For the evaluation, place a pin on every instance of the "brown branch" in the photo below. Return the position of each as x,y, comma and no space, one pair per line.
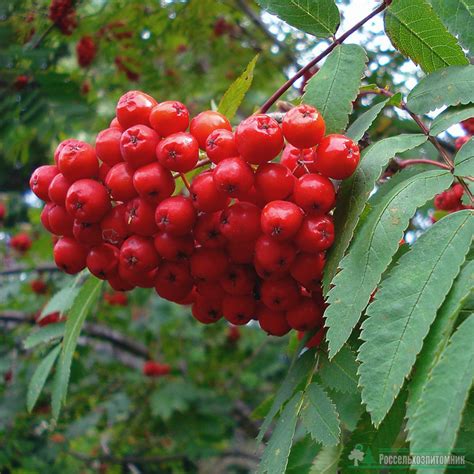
420,161
47,267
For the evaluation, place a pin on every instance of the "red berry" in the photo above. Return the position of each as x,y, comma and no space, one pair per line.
119,284
273,182
280,295
303,126
87,200
78,160
281,219
138,145
3,211
60,221
316,234
153,182
114,226
207,230
107,145
315,194
209,264
241,252
171,247
238,310
259,139
241,222
173,281
102,261
206,196
86,233
60,147
140,217
104,169
134,108
116,124
175,215
239,280
86,51
299,162
155,369
307,269
69,255
206,289
41,179
233,176
44,216
39,287
220,144
136,278
207,310
169,117
138,254
205,123
50,318
272,322
233,334
305,315
58,189
178,152
460,141
21,242
337,156
119,182
468,125
272,256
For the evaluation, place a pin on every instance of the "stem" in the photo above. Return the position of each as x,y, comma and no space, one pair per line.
279,92
185,181
43,36
420,161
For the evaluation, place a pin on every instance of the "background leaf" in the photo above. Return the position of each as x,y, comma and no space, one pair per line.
404,308
363,122
316,17
44,334
235,94
417,32
341,372
450,86
464,160
353,194
372,250
450,117
327,460
332,96
61,301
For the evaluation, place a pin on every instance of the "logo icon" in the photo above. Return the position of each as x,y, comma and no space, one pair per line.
357,455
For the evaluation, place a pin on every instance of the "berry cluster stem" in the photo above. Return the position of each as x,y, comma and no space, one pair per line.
337,41
420,161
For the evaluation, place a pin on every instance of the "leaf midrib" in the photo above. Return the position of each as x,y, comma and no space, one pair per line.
300,7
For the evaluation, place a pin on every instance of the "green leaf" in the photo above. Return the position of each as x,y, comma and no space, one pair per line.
61,301
277,451
438,417
44,335
319,416
458,16
341,372
450,117
363,122
349,406
354,192
336,85
327,460
372,250
235,94
404,308
302,455
85,299
450,86
439,334
417,32
39,377
464,160
294,376
317,17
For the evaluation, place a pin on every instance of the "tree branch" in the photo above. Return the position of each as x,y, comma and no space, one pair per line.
47,267
420,161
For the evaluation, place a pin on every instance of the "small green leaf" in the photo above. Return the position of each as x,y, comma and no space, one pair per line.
438,417
317,17
235,94
277,451
458,16
354,192
372,250
327,460
336,85
319,416
451,86
464,160
82,304
44,335
450,117
294,376
417,32
341,372
362,124
404,308
39,377
349,406
60,302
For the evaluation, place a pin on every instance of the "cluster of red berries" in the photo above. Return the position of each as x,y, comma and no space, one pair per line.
468,126
450,200
86,51
152,368
247,238
63,14
21,242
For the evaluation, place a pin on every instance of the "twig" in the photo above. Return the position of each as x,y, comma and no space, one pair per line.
279,92
47,267
43,36
420,161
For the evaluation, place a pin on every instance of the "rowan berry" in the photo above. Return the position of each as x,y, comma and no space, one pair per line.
138,254
220,144
87,200
140,217
305,315
134,108
107,146
239,280
207,310
41,179
205,123
272,322
175,215
114,226
303,126
315,194
138,145
274,257
233,176
69,255
307,269
178,152
172,247
78,160
86,233
206,195
316,234
208,264
58,189
173,281
281,219
238,310
280,295
207,230
337,156
241,222
169,117
298,161
153,182
119,182
102,261
60,221
273,182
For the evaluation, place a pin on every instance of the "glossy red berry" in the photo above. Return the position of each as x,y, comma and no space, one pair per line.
60,221
208,264
173,281
207,230
205,123
138,254
272,322
107,146
274,257
119,284
259,139
239,280
303,126
280,295
281,219
316,234
169,117
134,108
60,147
116,124
178,152
241,252
21,242
69,255
207,310
38,286
102,261
119,182
175,215
220,144
238,310
140,217
171,247
315,194
153,182
337,156
273,181
241,222
205,194
307,269
41,179
78,160
87,200
233,176
138,145
86,233
138,278
298,161
44,216
114,226
305,315
58,189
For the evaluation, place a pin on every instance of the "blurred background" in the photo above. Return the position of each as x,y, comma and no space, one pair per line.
60,77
